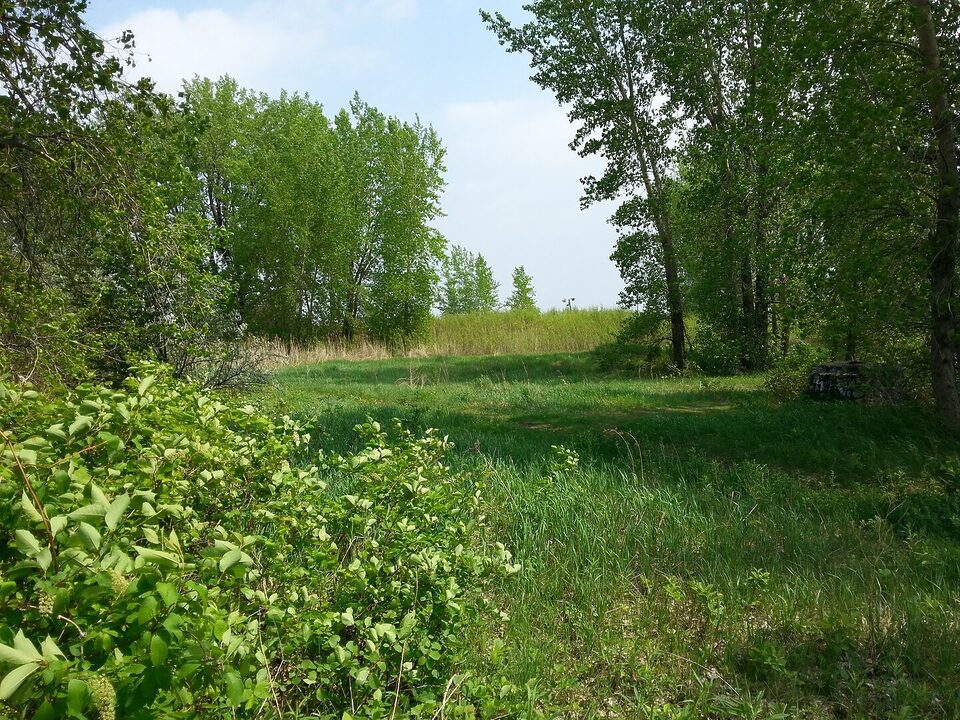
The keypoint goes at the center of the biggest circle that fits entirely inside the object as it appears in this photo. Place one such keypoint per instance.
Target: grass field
(695, 549)
(491, 333)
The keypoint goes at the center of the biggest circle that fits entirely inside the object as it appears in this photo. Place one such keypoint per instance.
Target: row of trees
(325, 224)
(468, 285)
(784, 168)
(135, 224)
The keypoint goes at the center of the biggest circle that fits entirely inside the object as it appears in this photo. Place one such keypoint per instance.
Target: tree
(590, 54)
(468, 284)
(522, 298)
(327, 222)
(487, 289)
(101, 247)
(785, 168)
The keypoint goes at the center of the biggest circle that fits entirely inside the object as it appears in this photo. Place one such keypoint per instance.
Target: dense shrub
(641, 346)
(788, 378)
(169, 554)
(716, 351)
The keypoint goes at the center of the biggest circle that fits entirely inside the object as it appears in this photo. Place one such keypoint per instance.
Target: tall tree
(590, 55)
(488, 288)
(468, 284)
(943, 238)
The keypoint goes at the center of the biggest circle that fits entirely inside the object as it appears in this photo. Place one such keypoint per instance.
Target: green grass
(707, 552)
(505, 333)
(490, 333)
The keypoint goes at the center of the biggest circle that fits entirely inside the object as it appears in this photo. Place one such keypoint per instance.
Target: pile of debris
(855, 380)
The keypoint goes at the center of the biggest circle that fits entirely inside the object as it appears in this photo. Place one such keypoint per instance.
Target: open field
(490, 333)
(698, 550)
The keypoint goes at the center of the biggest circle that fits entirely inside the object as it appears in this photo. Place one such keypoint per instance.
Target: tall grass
(517, 333)
(474, 334)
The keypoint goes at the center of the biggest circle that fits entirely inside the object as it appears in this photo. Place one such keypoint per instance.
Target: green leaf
(168, 593)
(407, 624)
(113, 443)
(58, 523)
(16, 656)
(21, 643)
(50, 649)
(229, 559)
(98, 496)
(116, 510)
(146, 384)
(15, 678)
(94, 511)
(81, 423)
(90, 535)
(77, 694)
(235, 692)
(158, 650)
(232, 557)
(157, 557)
(148, 610)
(44, 558)
(27, 456)
(27, 543)
(29, 509)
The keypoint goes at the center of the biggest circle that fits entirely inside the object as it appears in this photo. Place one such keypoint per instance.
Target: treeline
(468, 286)
(134, 224)
(785, 169)
(325, 223)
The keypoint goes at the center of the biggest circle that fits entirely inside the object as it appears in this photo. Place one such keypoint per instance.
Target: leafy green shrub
(641, 345)
(788, 378)
(716, 351)
(173, 555)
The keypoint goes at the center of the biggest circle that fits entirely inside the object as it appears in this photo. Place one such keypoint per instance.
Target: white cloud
(262, 44)
(514, 195)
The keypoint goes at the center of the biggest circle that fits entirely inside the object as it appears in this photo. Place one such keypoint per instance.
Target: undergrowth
(172, 554)
(692, 547)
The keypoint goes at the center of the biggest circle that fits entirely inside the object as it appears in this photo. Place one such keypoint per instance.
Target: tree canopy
(784, 169)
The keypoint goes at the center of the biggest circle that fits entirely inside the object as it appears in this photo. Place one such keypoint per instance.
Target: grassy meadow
(470, 334)
(692, 548)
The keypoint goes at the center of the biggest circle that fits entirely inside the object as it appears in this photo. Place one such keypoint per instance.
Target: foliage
(170, 553)
(591, 57)
(102, 257)
(468, 284)
(347, 203)
(523, 298)
(784, 170)
(789, 377)
(639, 347)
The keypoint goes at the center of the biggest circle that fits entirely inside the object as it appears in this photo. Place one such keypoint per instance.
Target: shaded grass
(701, 550)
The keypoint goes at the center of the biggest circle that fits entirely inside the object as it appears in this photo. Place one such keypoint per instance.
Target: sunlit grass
(491, 333)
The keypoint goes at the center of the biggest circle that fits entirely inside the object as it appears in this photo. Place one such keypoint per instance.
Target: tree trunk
(942, 240)
(749, 311)
(761, 321)
(674, 303)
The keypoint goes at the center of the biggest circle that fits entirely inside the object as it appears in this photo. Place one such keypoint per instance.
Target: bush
(642, 345)
(788, 378)
(716, 351)
(174, 555)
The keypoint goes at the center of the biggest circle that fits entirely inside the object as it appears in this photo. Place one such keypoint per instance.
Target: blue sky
(513, 184)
